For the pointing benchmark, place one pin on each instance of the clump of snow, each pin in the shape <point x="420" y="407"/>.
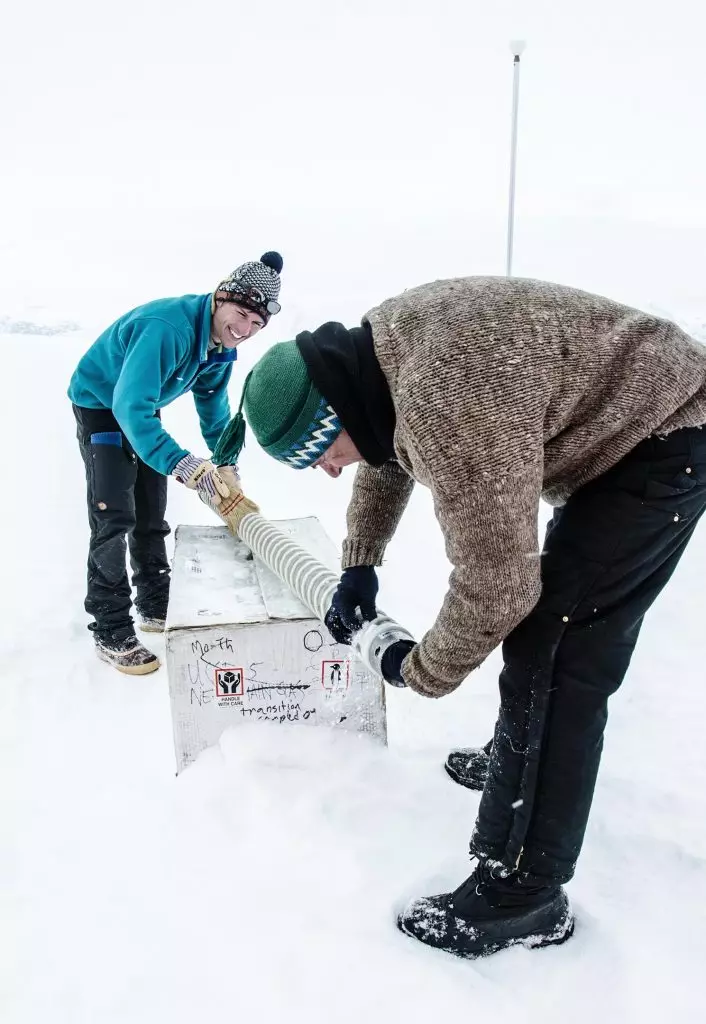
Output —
<point x="9" y="325"/>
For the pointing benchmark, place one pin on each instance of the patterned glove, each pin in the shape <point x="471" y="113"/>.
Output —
<point x="202" y="476"/>
<point x="231" y="507"/>
<point x="392" y="662"/>
<point x="357" y="590"/>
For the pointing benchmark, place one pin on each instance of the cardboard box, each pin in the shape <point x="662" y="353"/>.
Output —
<point x="242" y="648"/>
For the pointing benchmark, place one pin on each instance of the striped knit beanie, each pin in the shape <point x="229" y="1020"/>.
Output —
<point x="290" y="418"/>
<point x="255" y="285"/>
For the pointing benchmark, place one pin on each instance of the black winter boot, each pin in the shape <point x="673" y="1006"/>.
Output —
<point x="469" y="765"/>
<point x="488" y="913"/>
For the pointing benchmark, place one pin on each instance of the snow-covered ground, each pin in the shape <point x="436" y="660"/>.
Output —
<point x="263" y="882"/>
<point x="146" y="152"/>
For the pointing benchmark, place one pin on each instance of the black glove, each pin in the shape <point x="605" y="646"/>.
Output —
<point x="392" y="662"/>
<point x="357" y="590"/>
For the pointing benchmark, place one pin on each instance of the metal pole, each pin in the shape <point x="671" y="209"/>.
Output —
<point x="517" y="47"/>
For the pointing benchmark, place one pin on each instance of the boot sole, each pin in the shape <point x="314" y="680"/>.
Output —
<point x="131" y="670"/>
<point x="150" y="629"/>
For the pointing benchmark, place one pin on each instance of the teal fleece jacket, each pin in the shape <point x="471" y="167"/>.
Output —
<point x="145" y="360"/>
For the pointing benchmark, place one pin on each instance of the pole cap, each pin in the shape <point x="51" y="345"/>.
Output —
<point x="518" y="47"/>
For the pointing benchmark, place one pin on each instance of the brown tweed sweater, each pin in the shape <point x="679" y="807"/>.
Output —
<point x="507" y="390"/>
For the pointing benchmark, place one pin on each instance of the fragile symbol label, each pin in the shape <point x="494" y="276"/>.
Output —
<point x="334" y="675"/>
<point x="230" y="682"/>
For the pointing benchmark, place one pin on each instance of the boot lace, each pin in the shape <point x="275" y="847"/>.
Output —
<point x="479" y="881"/>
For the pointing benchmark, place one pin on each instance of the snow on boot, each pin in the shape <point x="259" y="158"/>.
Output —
<point x="488" y="913"/>
<point x="469" y="765"/>
<point x="129" y="656"/>
<point x="150" y="625"/>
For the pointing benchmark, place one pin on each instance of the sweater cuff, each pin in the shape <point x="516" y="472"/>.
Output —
<point x="360" y="552"/>
<point x="418" y="678"/>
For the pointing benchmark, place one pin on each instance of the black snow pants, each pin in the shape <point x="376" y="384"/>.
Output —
<point x="126" y="499"/>
<point x="608" y="553"/>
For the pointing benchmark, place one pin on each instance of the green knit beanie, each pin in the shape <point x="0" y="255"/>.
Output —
<point x="290" y="418"/>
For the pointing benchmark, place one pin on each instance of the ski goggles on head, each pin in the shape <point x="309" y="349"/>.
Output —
<point x="250" y="296"/>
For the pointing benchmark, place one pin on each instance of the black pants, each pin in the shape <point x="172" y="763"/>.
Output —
<point x="125" y="499"/>
<point x="608" y="553"/>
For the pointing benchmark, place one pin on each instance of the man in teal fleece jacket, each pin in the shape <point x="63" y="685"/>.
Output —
<point x="142" y="362"/>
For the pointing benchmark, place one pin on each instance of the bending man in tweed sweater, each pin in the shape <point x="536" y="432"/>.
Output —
<point x="494" y="393"/>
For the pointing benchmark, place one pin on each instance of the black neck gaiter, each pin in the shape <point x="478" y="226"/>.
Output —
<point x="343" y="366"/>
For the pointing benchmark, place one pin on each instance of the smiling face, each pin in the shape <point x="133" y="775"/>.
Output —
<point x="232" y="323"/>
<point x="341" y="453"/>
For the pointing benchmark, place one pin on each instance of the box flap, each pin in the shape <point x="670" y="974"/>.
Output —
<point x="279" y="600"/>
<point x="216" y="581"/>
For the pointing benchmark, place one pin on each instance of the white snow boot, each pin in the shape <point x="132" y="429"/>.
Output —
<point x="128" y="656"/>
<point x="148" y="625"/>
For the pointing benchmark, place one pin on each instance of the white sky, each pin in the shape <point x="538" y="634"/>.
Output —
<point x="341" y="132"/>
